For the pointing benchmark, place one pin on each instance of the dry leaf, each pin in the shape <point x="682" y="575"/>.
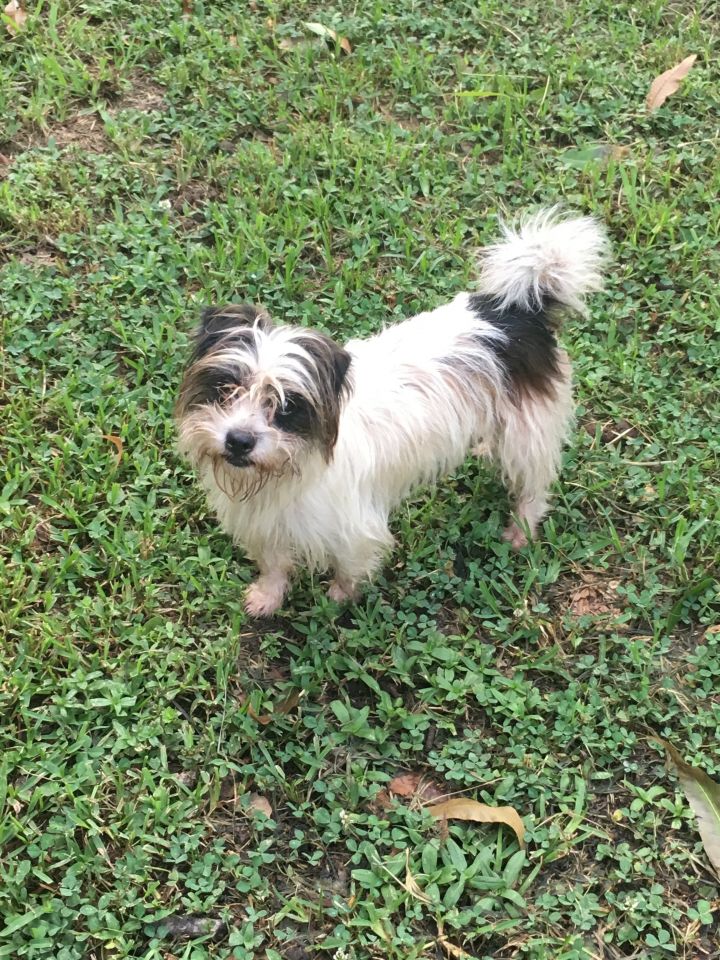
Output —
<point x="16" y="17"/>
<point x="416" y="785"/>
<point x="282" y="708"/>
<point x="598" y="153"/>
<point x="593" y="600"/>
<point x="258" y="802"/>
<point x="452" y="950"/>
<point x="186" y="8"/>
<point x="321" y="30"/>
<point x="117" y="443"/>
<point x="411" y="884"/>
<point x="461" y="808"/>
<point x="704" y="797"/>
<point x="667" y="83"/>
<point x="328" y="34"/>
<point x="381" y="802"/>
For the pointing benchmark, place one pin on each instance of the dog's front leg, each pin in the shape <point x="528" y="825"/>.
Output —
<point x="351" y="571"/>
<point x="266" y="594"/>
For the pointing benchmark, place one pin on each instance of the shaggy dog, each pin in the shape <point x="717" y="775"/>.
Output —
<point x="304" y="445"/>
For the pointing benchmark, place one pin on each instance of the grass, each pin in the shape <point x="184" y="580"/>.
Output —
<point x="153" y="163"/>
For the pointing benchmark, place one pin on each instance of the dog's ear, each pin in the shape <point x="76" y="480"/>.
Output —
<point x="332" y="362"/>
<point x="231" y="315"/>
<point x="235" y="321"/>
<point x="332" y="365"/>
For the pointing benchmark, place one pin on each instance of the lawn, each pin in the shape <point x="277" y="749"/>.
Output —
<point x="153" y="162"/>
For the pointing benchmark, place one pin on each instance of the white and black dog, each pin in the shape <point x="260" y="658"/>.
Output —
<point x="305" y="446"/>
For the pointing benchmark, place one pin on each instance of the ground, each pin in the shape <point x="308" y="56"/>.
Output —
<point x="153" y="162"/>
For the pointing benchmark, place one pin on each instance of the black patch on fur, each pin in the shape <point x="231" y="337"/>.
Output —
<point x="529" y="352"/>
<point x="210" y="385"/>
<point x="296" y="416"/>
<point x="231" y="325"/>
<point x="331" y="363"/>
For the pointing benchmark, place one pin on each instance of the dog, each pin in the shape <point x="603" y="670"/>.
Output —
<point x="304" y="446"/>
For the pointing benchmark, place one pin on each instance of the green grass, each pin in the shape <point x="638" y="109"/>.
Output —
<point x="154" y="163"/>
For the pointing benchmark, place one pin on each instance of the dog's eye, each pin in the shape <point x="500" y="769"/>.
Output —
<point x="294" y="416"/>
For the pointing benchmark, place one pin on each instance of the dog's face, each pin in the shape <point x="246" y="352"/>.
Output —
<point x="257" y="398"/>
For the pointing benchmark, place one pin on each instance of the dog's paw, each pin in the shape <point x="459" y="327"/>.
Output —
<point x="340" y="593"/>
<point x="515" y="536"/>
<point x="261" y="602"/>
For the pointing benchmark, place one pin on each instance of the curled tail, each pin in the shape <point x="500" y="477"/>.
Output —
<point x="543" y="260"/>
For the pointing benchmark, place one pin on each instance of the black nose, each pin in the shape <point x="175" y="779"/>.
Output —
<point x="238" y="444"/>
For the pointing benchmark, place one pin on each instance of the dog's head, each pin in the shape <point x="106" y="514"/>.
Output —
<point x="257" y="398"/>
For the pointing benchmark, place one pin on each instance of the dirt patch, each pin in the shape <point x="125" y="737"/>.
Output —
<point x="144" y="95"/>
<point x="611" y="431"/>
<point x="41" y="257"/>
<point x="195" y="194"/>
<point x="84" y="130"/>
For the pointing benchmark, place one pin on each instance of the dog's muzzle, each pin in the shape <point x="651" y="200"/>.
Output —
<point x="239" y="444"/>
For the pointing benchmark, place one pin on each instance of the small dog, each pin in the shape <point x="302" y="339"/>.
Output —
<point x="305" y="446"/>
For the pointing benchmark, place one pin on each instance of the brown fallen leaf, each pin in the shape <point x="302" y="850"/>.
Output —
<point x="381" y="802"/>
<point x="411" y="884"/>
<point x="285" y="706"/>
<point x="416" y="785"/>
<point x="593" y="600"/>
<point x="187" y="8"/>
<point x="117" y="443"/>
<point x="462" y="808"/>
<point x="667" y="83"/>
<point x="258" y="802"/>
<point x="704" y="797"/>
<point x="16" y="17"/>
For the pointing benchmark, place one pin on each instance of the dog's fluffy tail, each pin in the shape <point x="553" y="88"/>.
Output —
<point x="545" y="259"/>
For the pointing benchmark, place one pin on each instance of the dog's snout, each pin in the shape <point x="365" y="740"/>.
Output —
<point x="239" y="443"/>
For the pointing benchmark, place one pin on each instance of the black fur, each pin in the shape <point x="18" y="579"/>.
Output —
<point x="331" y="363"/>
<point x="231" y="323"/>
<point x="226" y="326"/>
<point x="529" y="351"/>
<point x="296" y="416"/>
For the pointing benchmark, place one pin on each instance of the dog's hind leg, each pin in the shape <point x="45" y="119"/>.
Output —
<point x="529" y="448"/>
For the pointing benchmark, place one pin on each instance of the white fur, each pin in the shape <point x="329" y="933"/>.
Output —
<point x="424" y="392"/>
<point x="545" y="256"/>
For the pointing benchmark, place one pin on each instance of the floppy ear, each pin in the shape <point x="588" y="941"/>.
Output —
<point x="230" y="315"/>
<point x="232" y="320"/>
<point x="332" y="363"/>
<point x="340" y="365"/>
